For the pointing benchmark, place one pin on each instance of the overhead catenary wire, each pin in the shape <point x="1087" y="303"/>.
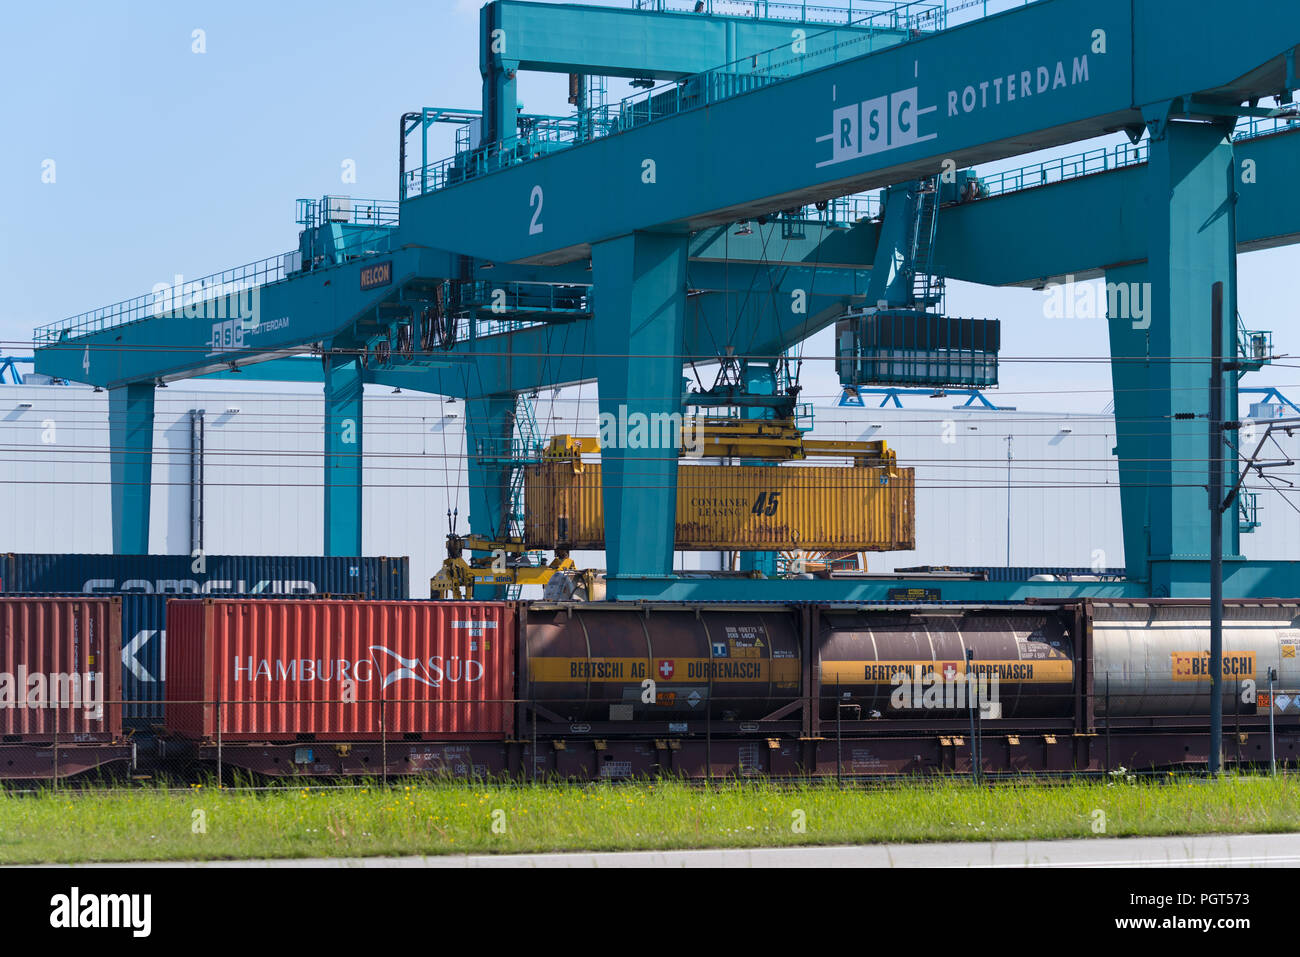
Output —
<point x="237" y="355"/>
<point x="379" y="426"/>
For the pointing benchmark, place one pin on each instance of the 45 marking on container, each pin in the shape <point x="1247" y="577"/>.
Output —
<point x="132" y="648"/>
<point x="767" y="505"/>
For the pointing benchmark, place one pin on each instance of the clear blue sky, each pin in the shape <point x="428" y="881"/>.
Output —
<point x="172" y="162"/>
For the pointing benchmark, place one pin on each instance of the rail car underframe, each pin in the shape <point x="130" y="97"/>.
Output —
<point x="852" y="755"/>
<point x="794" y="741"/>
<point x="46" y="761"/>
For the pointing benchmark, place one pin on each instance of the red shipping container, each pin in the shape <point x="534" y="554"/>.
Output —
<point x="60" y="669"/>
<point x="304" y="670"/>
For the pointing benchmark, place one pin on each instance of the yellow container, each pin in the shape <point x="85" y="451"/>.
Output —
<point x="739" y="507"/>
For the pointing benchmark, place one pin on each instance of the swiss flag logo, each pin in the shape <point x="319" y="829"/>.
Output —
<point x="949" y="671"/>
<point x="666" y="668"/>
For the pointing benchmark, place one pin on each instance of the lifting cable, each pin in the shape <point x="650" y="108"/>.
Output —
<point x="582" y="373"/>
<point x="726" y="267"/>
<point x="812" y="291"/>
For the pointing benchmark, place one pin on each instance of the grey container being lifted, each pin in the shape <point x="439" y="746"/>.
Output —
<point x="145" y="582"/>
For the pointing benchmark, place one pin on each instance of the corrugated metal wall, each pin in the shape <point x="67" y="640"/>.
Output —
<point x="1064" y="502"/>
<point x="59" y="673"/>
<point x="264" y="471"/>
<point x="263" y="465"/>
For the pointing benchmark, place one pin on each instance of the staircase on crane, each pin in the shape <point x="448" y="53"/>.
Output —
<point x="927" y="285"/>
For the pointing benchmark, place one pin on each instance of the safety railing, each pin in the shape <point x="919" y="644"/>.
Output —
<point x="751" y="74"/>
<point x="483" y="328"/>
<point x="179" y="297"/>
<point x="170" y="298"/>
<point x="1255" y="126"/>
<point x="1254" y="345"/>
<point x="1102" y="159"/>
<point x="1248" y="511"/>
<point x="762" y="69"/>
<point x="344" y="210"/>
<point x="792" y="10"/>
<point x="841" y="213"/>
<point x="1065" y="167"/>
<point x="848" y="210"/>
<point x="354" y="244"/>
<point x="482" y="309"/>
<point x="703" y="89"/>
<point x="524" y="297"/>
<point x="542" y="138"/>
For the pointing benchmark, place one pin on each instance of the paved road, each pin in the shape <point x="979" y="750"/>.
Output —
<point x="1255" y="850"/>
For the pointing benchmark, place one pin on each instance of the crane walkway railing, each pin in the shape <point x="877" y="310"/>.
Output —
<point x="345" y="210"/>
<point x="694" y="92"/>
<point x="1099" y="160"/>
<point x="905" y="15"/>
<point x="168" y="298"/>
<point x="548" y="135"/>
<point x="1105" y="158"/>
<point x="844" y="211"/>
<point x="379" y="216"/>
<point x="848" y="210"/>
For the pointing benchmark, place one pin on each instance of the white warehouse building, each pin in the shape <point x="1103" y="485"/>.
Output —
<point x="994" y="488"/>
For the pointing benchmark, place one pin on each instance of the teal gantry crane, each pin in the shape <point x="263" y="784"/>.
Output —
<point x="603" y="245"/>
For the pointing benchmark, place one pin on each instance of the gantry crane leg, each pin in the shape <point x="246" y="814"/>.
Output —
<point x="344" y="418"/>
<point x="130" y="431"/>
<point x="489" y="431"/>
<point x="1160" y="344"/>
<point x="642" y="287"/>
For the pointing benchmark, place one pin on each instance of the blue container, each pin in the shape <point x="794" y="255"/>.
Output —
<point x="145" y="582"/>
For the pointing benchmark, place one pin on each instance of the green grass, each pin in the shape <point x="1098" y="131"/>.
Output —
<point x="156" y="824"/>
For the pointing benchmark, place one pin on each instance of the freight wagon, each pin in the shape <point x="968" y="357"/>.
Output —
<point x="340" y="671"/>
<point x="60" y="684"/>
<point x="145" y="582"/>
<point x="614" y="691"/>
